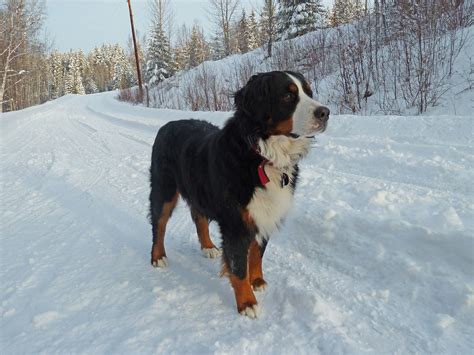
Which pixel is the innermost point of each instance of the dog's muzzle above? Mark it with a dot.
(321, 117)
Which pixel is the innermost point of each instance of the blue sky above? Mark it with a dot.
(74, 24)
(89, 23)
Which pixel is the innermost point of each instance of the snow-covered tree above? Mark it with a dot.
(198, 49)
(268, 24)
(56, 68)
(242, 34)
(253, 31)
(73, 81)
(345, 11)
(160, 64)
(122, 76)
(297, 17)
(216, 46)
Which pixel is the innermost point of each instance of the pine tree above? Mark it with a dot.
(268, 24)
(90, 86)
(345, 11)
(122, 71)
(73, 81)
(297, 17)
(197, 48)
(180, 50)
(57, 74)
(217, 48)
(160, 63)
(243, 34)
(253, 31)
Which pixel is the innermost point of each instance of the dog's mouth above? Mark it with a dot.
(317, 127)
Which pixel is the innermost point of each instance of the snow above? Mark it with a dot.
(375, 257)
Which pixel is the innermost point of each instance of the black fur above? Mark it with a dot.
(215, 170)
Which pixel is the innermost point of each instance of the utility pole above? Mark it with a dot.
(140, 87)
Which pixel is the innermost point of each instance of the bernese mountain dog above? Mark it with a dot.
(242, 175)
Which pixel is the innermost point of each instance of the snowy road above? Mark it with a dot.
(377, 255)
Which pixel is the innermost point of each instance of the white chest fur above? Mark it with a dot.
(270, 204)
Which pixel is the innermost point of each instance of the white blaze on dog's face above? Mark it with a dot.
(310, 116)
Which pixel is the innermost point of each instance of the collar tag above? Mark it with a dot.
(285, 180)
(261, 172)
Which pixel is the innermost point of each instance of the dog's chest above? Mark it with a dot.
(269, 205)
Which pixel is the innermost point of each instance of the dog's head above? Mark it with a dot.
(281, 103)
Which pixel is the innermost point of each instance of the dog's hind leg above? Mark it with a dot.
(162, 203)
(202, 228)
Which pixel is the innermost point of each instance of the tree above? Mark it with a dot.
(345, 11)
(253, 31)
(243, 34)
(159, 64)
(297, 17)
(198, 49)
(73, 81)
(222, 13)
(268, 24)
(122, 76)
(162, 15)
(21, 53)
(57, 75)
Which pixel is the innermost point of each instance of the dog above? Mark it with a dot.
(242, 176)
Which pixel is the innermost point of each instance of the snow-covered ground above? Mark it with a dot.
(377, 255)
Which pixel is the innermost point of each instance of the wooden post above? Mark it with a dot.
(140, 87)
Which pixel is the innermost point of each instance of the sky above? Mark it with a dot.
(85, 24)
(74, 24)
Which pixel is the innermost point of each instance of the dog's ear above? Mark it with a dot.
(239, 99)
(253, 98)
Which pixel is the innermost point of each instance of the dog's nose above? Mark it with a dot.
(322, 113)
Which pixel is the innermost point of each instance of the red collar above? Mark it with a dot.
(261, 172)
(262, 175)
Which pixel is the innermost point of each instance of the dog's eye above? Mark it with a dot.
(288, 97)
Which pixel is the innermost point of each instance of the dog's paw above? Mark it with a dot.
(251, 311)
(259, 285)
(163, 262)
(211, 253)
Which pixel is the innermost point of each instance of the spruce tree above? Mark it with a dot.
(297, 17)
(243, 34)
(73, 81)
(198, 49)
(268, 25)
(57, 74)
(253, 31)
(345, 11)
(160, 64)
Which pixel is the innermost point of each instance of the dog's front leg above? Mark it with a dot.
(235, 265)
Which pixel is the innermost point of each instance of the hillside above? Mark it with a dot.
(209, 86)
(375, 257)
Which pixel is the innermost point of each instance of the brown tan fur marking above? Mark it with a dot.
(158, 248)
(255, 266)
(244, 296)
(283, 127)
(293, 88)
(202, 229)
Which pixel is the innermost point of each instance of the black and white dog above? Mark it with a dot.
(242, 176)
